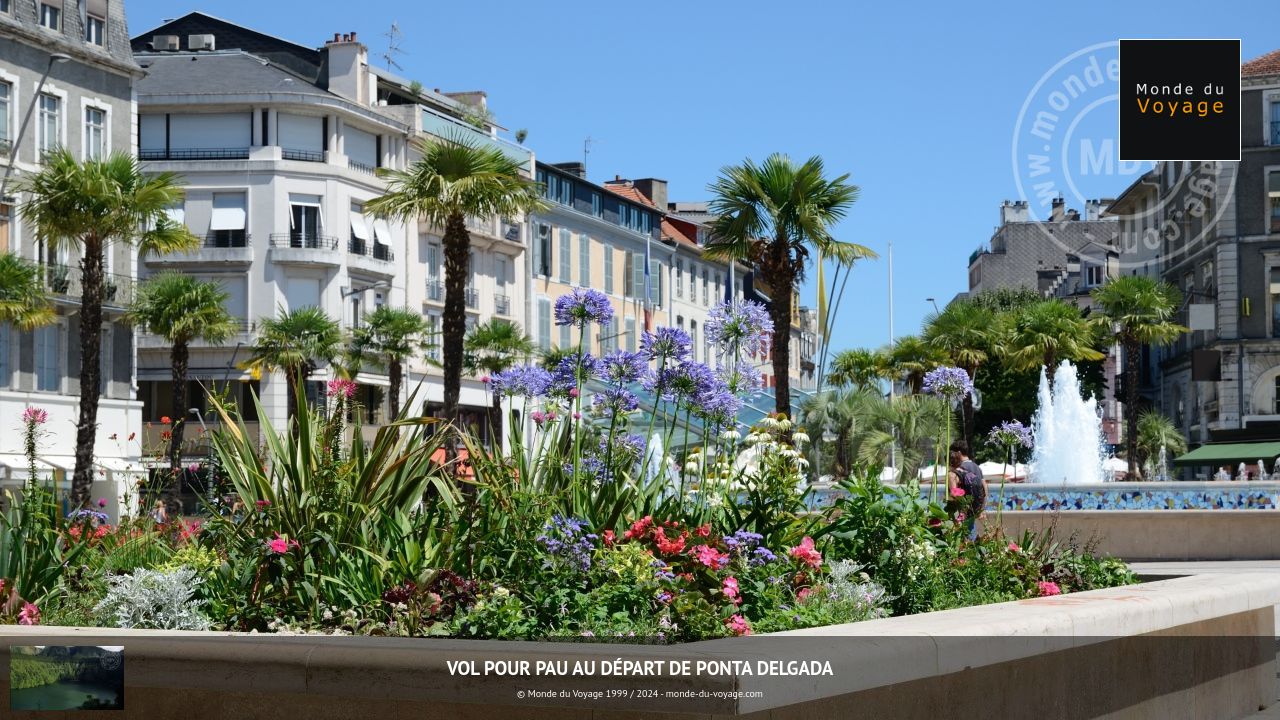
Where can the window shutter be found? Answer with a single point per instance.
(627, 276)
(608, 269)
(566, 338)
(544, 323)
(586, 338)
(566, 245)
(637, 281)
(584, 260)
(631, 334)
(655, 288)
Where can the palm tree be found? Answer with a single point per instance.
(911, 357)
(1156, 431)
(491, 348)
(770, 215)
(22, 298)
(1045, 334)
(858, 368)
(181, 308)
(839, 419)
(1138, 311)
(908, 427)
(394, 334)
(295, 342)
(964, 332)
(90, 207)
(452, 180)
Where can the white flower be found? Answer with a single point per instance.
(800, 438)
(730, 436)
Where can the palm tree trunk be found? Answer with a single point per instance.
(90, 369)
(394, 371)
(291, 394)
(780, 310)
(1050, 367)
(495, 424)
(179, 358)
(457, 249)
(1131, 407)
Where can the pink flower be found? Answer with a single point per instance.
(262, 503)
(738, 625)
(573, 392)
(1013, 547)
(957, 492)
(731, 590)
(165, 420)
(35, 416)
(341, 387)
(577, 416)
(102, 502)
(279, 545)
(485, 379)
(29, 615)
(960, 517)
(804, 594)
(1048, 588)
(805, 553)
(710, 557)
(193, 468)
(538, 416)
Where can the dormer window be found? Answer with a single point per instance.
(1094, 275)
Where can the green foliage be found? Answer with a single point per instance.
(23, 301)
(33, 551)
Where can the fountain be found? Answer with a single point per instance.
(1068, 433)
(1262, 471)
(1162, 470)
(1240, 473)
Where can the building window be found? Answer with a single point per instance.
(6, 96)
(558, 189)
(1275, 302)
(693, 339)
(705, 293)
(1093, 275)
(95, 30)
(48, 359)
(679, 278)
(566, 247)
(1275, 122)
(584, 261)
(305, 223)
(655, 283)
(6, 213)
(1273, 198)
(433, 336)
(229, 220)
(631, 334)
(95, 133)
(1276, 409)
(4, 6)
(50, 123)
(542, 252)
(51, 16)
(6, 372)
(597, 207)
(608, 269)
(544, 324)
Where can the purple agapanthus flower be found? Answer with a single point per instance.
(717, 407)
(1010, 433)
(951, 383)
(622, 367)
(742, 326)
(573, 372)
(583, 306)
(615, 400)
(629, 446)
(685, 381)
(529, 381)
(667, 345)
(743, 380)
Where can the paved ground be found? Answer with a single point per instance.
(1235, 566)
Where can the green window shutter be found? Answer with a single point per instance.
(584, 260)
(608, 269)
(566, 245)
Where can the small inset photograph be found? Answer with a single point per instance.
(66, 677)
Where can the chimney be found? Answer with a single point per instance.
(577, 168)
(348, 63)
(1059, 210)
(1012, 212)
(654, 189)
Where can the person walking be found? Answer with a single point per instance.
(966, 485)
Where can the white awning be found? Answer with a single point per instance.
(177, 214)
(371, 379)
(119, 465)
(228, 212)
(19, 462)
(382, 231)
(62, 462)
(358, 227)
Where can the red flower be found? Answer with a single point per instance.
(710, 556)
(639, 528)
(1013, 547)
(132, 435)
(673, 546)
(608, 538)
(165, 420)
(279, 545)
(1047, 588)
(934, 522)
(805, 553)
(704, 531)
(957, 492)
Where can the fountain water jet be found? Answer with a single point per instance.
(1068, 433)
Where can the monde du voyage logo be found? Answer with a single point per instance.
(1179, 100)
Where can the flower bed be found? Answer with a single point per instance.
(592, 527)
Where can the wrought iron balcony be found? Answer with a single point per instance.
(303, 155)
(435, 291)
(501, 305)
(375, 250)
(310, 241)
(65, 283)
(226, 239)
(360, 167)
(473, 298)
(241, 153)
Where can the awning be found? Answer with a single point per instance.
(358, 228)
(62, 462)
(19, 462)
(1230, 453)
(119, 465)
(382, 231)
(177, 214)
(228, 212)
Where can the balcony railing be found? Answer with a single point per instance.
(304, 155)
(435, 291)
(1275, 132)
(309, 241)
(65, 282)
(360, 167)
(473, 298)
(226, 239)
(241, 153)
(501, 305)
(375, 250)
(510, 230)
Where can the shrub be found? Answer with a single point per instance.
(155, 600)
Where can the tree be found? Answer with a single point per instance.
(181, 308)
(911, 357)
(770, 215)
(491, 348)
(393, 334)
(908, 427)
(1046, 333)
(1156, 431)
(964, 331)
(838, 420)
(22, 297)
(1138, 311)
(858, 368)
(89, 207)
(452, 180)
(295, 342)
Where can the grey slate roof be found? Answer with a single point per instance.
(231, 72)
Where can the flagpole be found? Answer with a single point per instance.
(893, 445)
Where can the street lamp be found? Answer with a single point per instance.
(935, 305)
(54, 58)
(380, 285)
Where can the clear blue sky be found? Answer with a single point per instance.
(916, 101)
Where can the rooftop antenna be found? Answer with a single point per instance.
(393, 37)
(586, 148)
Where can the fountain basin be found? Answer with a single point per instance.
(1111, 496)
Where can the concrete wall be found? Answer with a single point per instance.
(1159, 534)
(1199, 646)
